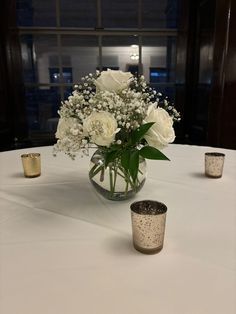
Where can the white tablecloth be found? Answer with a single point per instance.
(64, 249)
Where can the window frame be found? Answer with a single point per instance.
(100, 33)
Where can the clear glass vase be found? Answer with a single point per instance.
(113, 182)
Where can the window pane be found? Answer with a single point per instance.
(120, 14)
(160, 14)
(42, 104)
(78, 13)
(80, 53)
(67, 91)
(166, 91)
(158, 59)
(39, 54)
(120, 52)
(36, 12)
(55, 75)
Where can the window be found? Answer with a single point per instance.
(158, 75)
(54, 74)
(63, 40)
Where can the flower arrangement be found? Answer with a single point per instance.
(120, 114)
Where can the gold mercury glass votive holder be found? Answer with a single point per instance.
(31, 164)
(148, 225)
(214, 163)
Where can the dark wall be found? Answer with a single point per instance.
(13, 126)
(211, 74)
(222, 122)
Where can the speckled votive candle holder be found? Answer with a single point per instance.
(31, 164)
(148, 225)
(214, 163)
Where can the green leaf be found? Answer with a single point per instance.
(139, 133)
(150, 152)
(134, 164)
(111, 156)
(125, 158)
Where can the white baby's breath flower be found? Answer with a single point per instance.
(84, 142)
(74, 131)
(66, 127)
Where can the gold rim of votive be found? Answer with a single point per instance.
(214, 154)
(30, 155)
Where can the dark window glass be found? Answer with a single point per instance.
(36, 12)
(166, 91)
(42, 104)
(55, 75)
(158, 75)
(134, 69)
(119, 14)
(160, 14)
(80, 53)
(67, 91)
(159, 60)
(78, 13)
(39, 54)
(118, 52)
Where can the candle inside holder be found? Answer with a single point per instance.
(31, 164)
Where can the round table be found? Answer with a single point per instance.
(66, 249)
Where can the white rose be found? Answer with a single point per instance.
(113, 81)
(162, 132)
(101, 127)
(67, 127)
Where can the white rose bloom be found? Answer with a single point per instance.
(162, 132)
(113, 81)
(67, 127)
(102, 127)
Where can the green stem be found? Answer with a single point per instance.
(111, 179)
(126, 187)
(140, 171)
(121, 175)
(92, 169)
(115, 177)
(115, 169)
(126, 177)
(93, 172)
